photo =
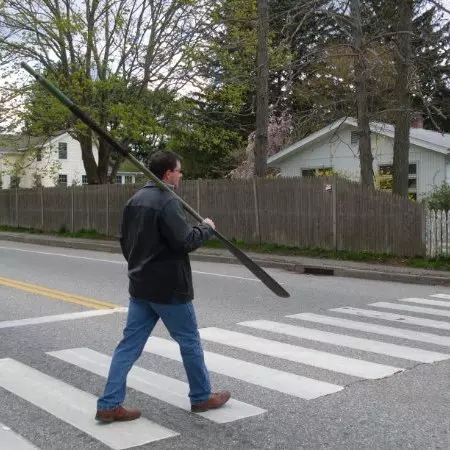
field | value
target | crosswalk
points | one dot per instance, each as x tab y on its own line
383	350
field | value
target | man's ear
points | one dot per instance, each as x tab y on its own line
166	173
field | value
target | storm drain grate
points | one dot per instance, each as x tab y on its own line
318	271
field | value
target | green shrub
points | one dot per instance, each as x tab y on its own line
439	199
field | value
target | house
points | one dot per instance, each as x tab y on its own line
127	173
335	147
48	162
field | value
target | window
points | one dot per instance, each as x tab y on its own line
62	150
354	138
84	179
384	179
308	172
15	181
39	154
316	172
128	179
62	180
119	179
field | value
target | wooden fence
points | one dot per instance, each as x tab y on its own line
328	213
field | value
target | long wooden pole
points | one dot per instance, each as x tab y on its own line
257	270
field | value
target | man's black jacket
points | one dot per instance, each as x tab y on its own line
156	238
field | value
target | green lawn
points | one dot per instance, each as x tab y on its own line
442	263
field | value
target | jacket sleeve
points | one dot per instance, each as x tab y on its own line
178	232
122	234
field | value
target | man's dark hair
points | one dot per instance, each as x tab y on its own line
162	161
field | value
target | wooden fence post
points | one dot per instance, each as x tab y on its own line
72	210
86	199
334	208
17	208
107	209
255	197
42	208
198	196
11	220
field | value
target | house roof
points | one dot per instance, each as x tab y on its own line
12	143
431	140
127	167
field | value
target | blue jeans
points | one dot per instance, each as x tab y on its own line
180	320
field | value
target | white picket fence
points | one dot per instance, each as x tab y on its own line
437	233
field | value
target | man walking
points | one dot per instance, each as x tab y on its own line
156	239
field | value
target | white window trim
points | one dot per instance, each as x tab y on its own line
67	151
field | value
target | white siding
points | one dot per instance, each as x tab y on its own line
73	166
336	151
332	151
430	169
6	160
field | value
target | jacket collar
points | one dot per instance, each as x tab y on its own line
153	184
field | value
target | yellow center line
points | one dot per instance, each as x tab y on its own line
59	295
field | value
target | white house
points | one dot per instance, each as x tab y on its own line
336	147
55	161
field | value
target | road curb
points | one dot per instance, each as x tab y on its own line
111	247
301	268
326	270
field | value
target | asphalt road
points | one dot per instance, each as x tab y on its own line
368	377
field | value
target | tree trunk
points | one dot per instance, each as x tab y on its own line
365	151
104	150
115	167
262	90
90	165
402	85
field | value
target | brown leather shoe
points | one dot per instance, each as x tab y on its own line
216	400
117	414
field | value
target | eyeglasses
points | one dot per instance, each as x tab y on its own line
178	170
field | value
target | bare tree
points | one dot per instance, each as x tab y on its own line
143	43
402	55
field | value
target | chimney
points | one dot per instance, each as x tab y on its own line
416	120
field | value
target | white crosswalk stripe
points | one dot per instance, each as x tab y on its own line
398	318
369	345
446	296
164	388
425	301
287	383
75	407
60	317
416	309
366	327
323	360
13	441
